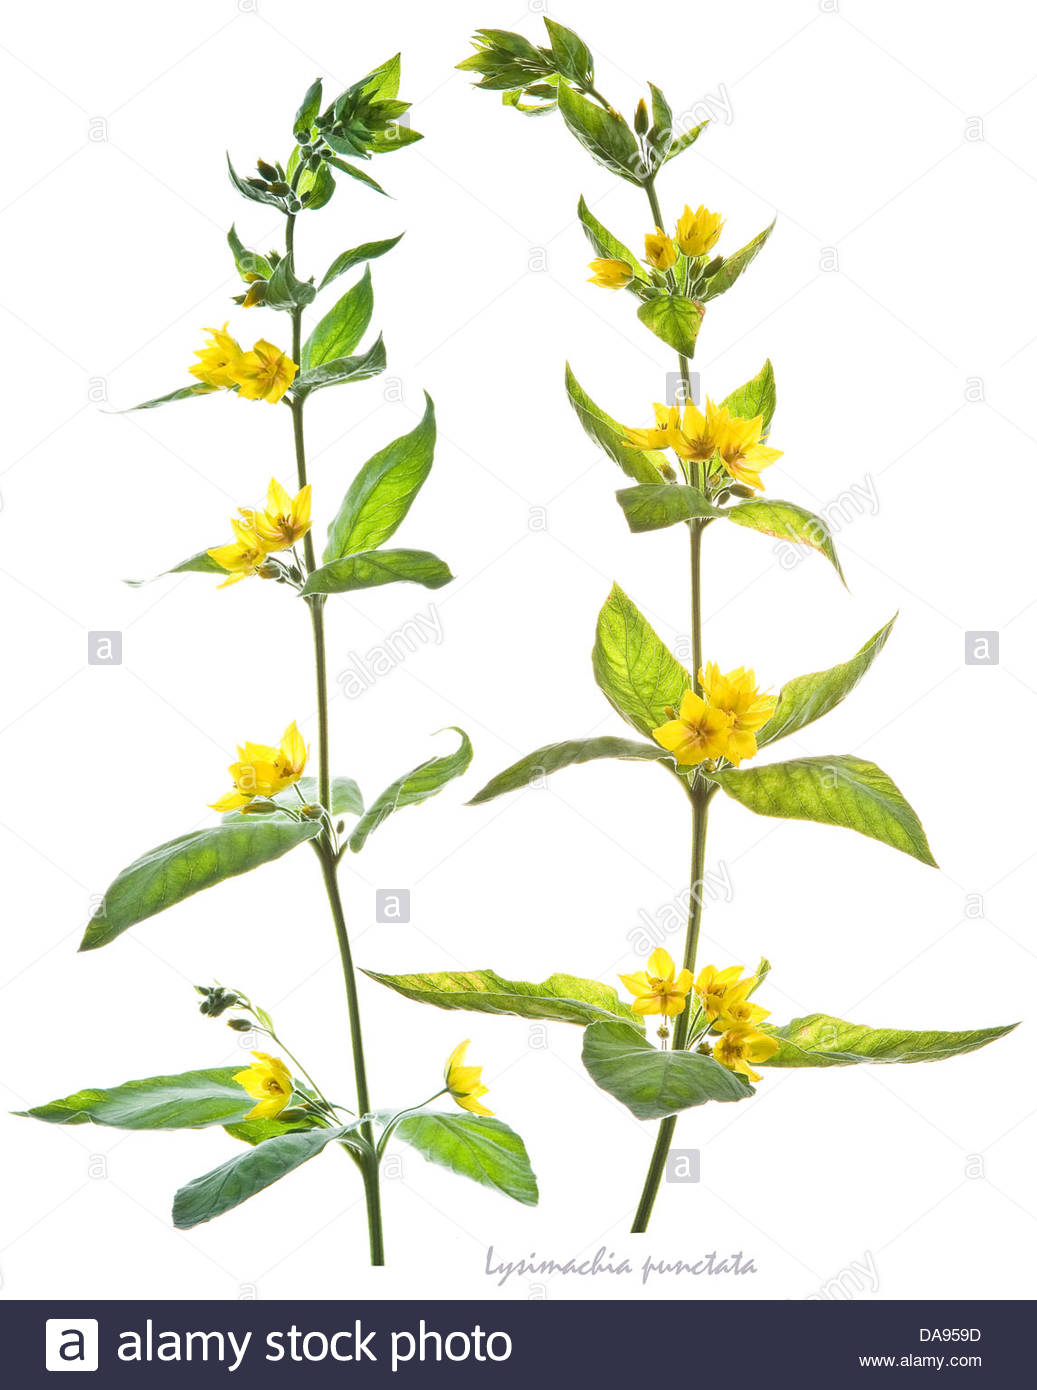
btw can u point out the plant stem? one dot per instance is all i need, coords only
(325, 845)
(699, 794)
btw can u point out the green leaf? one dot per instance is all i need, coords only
(254, 195)
(242, 1176)
(202, 563)
(660, 135)
(838, 790)
(373, 567)
(643, 465)
(653, 1084)
(316, 188)
(191, 1100)
(308, 110)
(558, 999)
(345, 799)
(819, 1040)
(258, 1131)
(342, 327)
(675, 319)
(383, 82)
(381, 494)
(342, 369)
(394, 137)
(786, 522)
(413, 787)
(651, 506)
(756, 397)
(734, 265)
(557, 755)
(603, 134)
(286, 292)
(635, 670)
(572, 56)
(475, 1146)
(344, 167)
(182, 393)
(605, 244)
(185, 866)
(685, 141)
(368, 251)
(806, 698)
(248, 263)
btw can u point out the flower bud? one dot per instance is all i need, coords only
(310, 812)
(270, 569)
(293, 1114)
(267, 170)
(239, 1025)
(641, 117)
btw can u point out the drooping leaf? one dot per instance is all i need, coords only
(675, 319)
(344, 167)
(345, 799)
(413, 787)
(733, 266)
(786, 522)
(373, 567)
(685, 141)
(818, 1040)
(806, 698)
(636, 671)
(342, 327)
(242, 1176)
(653, 1084)
(476, 1147)
(838, 790)
(342, 369)
(202, 563)
(185, 866)
(381, 494)
(756, 397)
(558, 999)
(182, 393)
(369, 251)
(603, 134)
(652, 506)
(558, 755)
(608, 246)
(190, 1100)
(643, 465)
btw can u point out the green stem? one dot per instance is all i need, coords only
(699, 794)
(699, 816)
(325, 845)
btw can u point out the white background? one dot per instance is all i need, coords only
(898, 139)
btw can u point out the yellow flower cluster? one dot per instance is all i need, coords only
(721, 725)
(720, 997)
(258, 534)
(264, 374)
(697, 437)
(697, 233)
(264, 771)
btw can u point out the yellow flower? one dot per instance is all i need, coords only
(739, 1047)
(264, 374)
(738, 442)
(749, 709)
(269, 1082)
(243, 556)
(658, 990)
(738, 1011)
(697, 733)
(264, 771)
(660, 252)
(716, 988)
(218, 359)
(609, 274)
(698, 232)
(465, 1083)
(691, 436)
(285, 520)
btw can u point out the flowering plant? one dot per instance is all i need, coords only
(697, 468)
(274, 1107)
